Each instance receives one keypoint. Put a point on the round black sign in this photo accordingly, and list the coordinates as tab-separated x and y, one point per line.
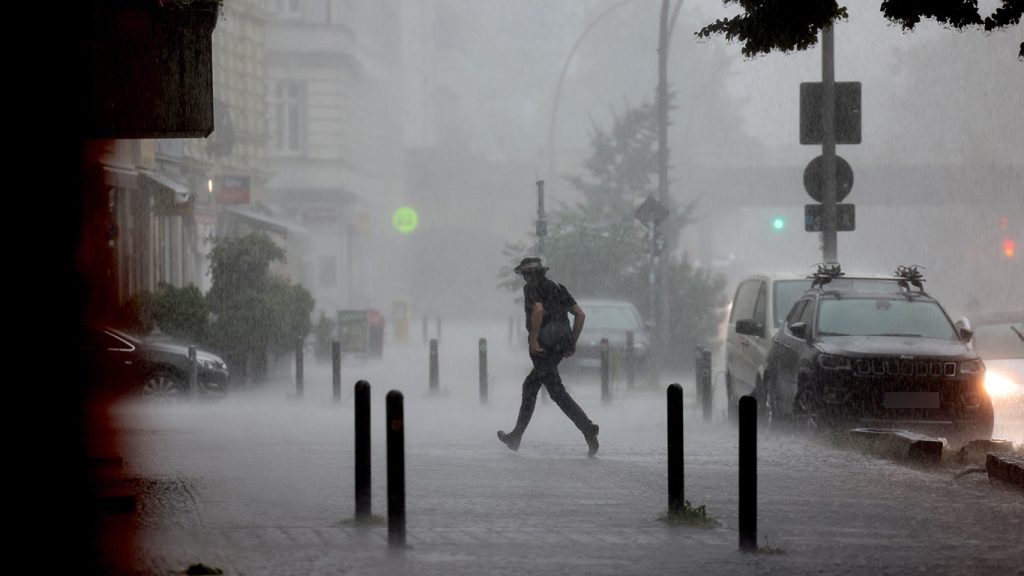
814	178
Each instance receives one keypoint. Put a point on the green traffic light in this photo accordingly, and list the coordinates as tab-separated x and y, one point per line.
405	220
778	224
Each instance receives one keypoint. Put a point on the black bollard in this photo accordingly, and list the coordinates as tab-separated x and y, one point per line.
630	359
482	346
362	436
336	370
705	382
193	376
396	469
606	393
675	449
433	366
298	367
424	328
748	473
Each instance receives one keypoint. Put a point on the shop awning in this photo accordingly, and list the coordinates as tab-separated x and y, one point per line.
178	191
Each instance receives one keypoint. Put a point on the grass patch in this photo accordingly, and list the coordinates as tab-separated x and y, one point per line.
770	550
689	516
371	520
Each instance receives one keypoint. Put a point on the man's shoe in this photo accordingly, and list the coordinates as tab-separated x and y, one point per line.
592	442
509	440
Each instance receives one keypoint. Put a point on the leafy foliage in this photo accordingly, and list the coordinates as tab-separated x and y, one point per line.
138	314
699	302
240	264
689	516
290	308
182	313
326	332
767	26
599	249
775	25
255	312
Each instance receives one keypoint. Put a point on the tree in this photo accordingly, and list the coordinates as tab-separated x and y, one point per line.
183	314
767	26
256	313
600	249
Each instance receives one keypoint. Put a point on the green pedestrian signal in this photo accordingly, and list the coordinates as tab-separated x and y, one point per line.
405	220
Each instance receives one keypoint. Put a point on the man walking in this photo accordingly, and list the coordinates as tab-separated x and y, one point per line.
547	305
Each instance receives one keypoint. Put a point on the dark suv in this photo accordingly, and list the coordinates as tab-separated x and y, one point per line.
878	353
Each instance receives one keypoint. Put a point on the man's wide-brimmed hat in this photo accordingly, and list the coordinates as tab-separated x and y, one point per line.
529	265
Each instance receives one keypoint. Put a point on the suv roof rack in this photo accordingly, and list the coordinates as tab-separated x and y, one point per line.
910	276
825	273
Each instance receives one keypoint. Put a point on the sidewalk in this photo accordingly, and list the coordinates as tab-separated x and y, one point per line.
261	483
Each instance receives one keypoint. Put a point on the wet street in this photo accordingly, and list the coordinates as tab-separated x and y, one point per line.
262	482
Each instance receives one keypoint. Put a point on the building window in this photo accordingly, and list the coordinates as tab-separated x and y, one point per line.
290	116
328	271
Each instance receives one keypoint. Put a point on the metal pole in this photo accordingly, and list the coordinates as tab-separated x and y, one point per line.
433	365
482	347
336	370
362	436
606	393
675	448
298	368
542	223
630	359
705	382
748	474
396	468
828	144
193	376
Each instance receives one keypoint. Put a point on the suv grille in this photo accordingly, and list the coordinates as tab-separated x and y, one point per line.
893	367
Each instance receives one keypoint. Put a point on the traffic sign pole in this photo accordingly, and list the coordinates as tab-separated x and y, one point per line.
828	144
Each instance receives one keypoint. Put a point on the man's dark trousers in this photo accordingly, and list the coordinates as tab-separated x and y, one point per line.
545	373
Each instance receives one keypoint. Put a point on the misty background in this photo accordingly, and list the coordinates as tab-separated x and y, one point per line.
333	114
939	163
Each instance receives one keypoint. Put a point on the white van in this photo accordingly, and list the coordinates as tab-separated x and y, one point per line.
760	304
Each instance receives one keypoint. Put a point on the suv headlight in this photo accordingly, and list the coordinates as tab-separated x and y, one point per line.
972	367
833	362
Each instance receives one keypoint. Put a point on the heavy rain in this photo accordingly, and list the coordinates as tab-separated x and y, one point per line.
288	311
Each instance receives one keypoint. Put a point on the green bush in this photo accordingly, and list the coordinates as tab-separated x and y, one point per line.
183	314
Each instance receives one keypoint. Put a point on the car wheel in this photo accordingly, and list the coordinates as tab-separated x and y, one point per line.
164	385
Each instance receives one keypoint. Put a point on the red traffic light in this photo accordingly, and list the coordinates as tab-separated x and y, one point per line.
1009	248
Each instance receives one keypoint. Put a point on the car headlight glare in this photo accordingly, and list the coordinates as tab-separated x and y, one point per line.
833	362
972	367
1001	386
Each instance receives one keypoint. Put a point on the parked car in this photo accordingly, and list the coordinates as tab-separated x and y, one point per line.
882	353
611	319
150	367
999	341
759	306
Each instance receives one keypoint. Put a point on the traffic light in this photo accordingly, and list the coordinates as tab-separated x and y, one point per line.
1009	247
778	223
